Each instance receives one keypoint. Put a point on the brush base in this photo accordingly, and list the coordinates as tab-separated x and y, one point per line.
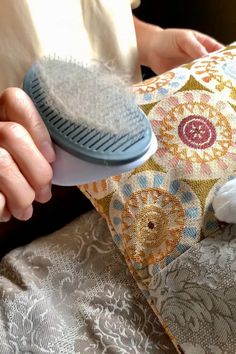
69	170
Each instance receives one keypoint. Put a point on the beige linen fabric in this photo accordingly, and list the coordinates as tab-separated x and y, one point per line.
82	29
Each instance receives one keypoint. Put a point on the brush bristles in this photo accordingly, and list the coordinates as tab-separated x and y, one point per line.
90	95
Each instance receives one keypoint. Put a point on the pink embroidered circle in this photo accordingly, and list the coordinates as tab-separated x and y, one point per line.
197	132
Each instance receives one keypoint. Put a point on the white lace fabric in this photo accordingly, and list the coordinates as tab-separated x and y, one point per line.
71	292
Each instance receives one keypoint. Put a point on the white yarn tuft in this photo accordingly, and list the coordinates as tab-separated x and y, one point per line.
224	203
89	94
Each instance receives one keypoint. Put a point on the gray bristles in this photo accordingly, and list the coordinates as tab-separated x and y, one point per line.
91	95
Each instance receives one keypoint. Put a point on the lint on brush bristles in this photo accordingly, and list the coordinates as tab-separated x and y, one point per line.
89	94
92	117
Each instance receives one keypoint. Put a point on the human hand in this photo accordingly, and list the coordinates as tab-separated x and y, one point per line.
173	47
163	49
25	156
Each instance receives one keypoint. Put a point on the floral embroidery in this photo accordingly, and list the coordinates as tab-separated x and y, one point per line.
218	72
157	88
196	134
82	303
161	216
155	218
100	189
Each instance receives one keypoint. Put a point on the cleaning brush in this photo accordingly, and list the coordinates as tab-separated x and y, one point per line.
97	128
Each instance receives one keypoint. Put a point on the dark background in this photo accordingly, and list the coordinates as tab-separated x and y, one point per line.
214	17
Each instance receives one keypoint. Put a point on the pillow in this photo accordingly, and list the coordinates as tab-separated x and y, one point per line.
159	211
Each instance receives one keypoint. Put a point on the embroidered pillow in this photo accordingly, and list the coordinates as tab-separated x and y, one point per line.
158	211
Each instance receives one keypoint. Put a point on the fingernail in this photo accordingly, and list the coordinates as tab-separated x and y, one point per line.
5	218
23	214
48	151
44	194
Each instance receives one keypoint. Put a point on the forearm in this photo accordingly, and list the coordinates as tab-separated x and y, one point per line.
144	34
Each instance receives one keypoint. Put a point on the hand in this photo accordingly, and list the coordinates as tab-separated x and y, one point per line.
25	156
162	50
173	47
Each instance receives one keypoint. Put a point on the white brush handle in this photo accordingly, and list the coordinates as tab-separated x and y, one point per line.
69	170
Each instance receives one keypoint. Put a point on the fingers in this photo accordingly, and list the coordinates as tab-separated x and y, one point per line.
210	44
25	155
17	192
16	106
17	141
4	212
197	45
191	46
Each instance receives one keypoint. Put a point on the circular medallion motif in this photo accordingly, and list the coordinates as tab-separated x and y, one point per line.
153	224
196	134
218	73
154	218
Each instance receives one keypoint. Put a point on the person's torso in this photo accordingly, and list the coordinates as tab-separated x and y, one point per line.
81	29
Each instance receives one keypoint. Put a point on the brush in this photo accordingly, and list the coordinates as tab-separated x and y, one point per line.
97	128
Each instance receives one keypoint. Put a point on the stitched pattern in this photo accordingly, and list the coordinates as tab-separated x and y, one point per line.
196	131
160	214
